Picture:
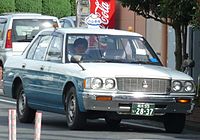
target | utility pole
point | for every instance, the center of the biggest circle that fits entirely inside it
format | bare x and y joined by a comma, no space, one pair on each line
82,11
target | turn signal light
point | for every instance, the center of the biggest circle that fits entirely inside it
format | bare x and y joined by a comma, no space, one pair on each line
104,98
183,100
9,39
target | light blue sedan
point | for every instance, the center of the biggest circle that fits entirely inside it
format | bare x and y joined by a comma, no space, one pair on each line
117,75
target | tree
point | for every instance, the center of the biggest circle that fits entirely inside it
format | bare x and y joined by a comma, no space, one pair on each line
176,13
7,6
73,7
58,8
196,18
34,6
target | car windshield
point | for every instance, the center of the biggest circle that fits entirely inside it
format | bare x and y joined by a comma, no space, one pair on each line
24,30
112,49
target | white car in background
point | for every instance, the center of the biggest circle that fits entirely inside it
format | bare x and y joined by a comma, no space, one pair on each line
68,22
18,29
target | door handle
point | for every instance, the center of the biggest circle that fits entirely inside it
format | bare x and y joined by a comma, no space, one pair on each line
42,68
23,65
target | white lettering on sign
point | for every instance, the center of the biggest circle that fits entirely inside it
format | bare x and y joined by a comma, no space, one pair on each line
102,10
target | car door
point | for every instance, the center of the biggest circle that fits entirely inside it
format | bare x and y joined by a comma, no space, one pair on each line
53,84
36,70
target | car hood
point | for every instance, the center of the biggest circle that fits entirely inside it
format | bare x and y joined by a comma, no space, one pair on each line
131,70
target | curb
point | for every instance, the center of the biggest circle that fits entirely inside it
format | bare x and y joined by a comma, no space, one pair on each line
191,125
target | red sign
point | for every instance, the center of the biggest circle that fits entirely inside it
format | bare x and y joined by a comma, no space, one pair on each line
105,9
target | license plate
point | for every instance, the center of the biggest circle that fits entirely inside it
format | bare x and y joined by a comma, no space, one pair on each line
143,109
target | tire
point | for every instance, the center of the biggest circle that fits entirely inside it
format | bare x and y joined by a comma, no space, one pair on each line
75,119
174,123
112,122
24,112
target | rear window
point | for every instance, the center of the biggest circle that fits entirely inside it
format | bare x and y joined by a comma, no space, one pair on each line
24,30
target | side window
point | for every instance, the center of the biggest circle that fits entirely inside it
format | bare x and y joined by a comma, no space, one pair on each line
42,47
54,52
67,24
2,26
32,48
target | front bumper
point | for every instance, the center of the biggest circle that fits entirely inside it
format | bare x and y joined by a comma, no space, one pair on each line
122,103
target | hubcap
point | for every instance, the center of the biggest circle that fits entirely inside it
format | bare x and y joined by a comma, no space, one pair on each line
22,102
71,108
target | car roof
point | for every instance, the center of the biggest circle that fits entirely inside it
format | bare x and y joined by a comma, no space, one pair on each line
93,31
68,17
26,15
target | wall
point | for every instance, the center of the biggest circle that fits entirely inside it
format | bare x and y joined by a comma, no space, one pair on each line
126,18
154,32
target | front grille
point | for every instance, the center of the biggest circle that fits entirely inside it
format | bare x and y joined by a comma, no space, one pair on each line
143,85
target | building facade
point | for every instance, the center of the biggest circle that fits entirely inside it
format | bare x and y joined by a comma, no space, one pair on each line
155,32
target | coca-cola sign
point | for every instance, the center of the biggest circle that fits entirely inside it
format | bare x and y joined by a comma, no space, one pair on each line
105,9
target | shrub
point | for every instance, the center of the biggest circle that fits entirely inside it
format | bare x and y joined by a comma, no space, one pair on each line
73,7
58,8
33,6
7,6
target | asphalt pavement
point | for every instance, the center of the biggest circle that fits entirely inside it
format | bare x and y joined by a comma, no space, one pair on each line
191,124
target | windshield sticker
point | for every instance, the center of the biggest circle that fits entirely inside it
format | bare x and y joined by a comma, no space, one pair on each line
153,60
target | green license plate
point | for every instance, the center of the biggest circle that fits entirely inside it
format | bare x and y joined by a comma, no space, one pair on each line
143,109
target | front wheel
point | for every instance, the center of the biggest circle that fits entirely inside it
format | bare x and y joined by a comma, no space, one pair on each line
75,118
174,123
24,112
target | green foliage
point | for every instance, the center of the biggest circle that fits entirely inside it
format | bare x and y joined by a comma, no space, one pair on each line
196,18
7,6
179,12
34,6
73,7
58,8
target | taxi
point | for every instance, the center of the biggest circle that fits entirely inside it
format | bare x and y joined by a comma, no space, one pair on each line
116,76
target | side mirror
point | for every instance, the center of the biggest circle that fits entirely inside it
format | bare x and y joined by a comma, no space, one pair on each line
76,58
191,64
188,63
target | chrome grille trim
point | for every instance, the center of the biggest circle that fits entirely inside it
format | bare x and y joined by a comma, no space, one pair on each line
149,85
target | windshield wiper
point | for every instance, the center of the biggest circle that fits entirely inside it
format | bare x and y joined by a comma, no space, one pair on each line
99,60
115,60
105,60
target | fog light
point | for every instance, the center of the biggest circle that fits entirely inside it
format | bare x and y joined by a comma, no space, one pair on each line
104,98
183,100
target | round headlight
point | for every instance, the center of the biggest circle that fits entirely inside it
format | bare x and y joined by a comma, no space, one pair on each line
96,83
109,83
188,86
176,86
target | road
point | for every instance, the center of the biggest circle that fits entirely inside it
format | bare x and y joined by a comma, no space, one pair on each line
54,128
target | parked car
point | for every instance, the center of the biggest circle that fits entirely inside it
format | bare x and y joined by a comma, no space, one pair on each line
119,76
17,30
68,22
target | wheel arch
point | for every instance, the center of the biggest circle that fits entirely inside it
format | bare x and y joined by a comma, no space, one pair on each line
1,63
16,83
67,86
